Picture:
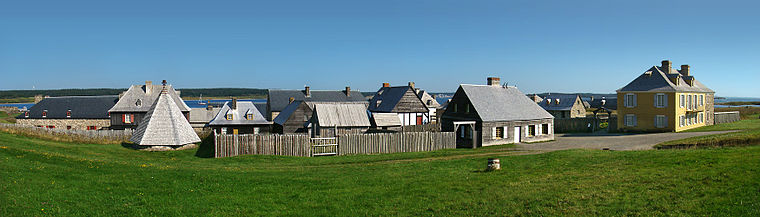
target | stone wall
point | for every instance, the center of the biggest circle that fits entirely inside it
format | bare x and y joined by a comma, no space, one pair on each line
75,124
487,134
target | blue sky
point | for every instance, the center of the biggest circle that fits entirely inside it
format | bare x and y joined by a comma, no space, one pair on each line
540,46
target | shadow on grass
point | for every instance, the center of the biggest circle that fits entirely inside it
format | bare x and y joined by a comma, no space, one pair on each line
206,148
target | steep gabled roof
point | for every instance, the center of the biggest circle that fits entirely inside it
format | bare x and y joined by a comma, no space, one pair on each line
82,107
341,115
203,115
656,80
566,102
279,99
495,103
292,107
164,125
239,115
390,99
426,98
128,102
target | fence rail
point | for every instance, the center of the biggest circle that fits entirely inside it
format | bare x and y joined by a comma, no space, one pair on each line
301,145
727,117
85,136
422,128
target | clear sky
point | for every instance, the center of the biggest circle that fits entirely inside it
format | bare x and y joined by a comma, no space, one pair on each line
540,46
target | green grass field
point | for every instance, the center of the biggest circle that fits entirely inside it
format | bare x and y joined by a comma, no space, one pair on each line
748,133
63,179
8,118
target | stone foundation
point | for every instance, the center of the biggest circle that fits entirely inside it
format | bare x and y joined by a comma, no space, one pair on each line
75,124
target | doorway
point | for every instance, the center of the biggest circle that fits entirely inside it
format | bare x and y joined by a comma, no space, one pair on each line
517,134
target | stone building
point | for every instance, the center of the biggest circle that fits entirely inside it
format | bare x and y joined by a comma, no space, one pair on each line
483,115
134,104
564,106
70,112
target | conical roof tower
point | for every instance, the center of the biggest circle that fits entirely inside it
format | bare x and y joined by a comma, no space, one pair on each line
164,125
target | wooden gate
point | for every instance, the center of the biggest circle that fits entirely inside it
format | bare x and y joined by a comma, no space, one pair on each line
324,146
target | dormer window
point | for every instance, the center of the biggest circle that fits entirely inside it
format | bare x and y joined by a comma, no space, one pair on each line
557,101
26,114
249,116
138,103
229,117
68,113
44,113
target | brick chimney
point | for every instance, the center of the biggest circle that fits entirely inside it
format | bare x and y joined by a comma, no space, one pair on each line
148,87
667,66
411,84
307,91
494,81
233,104
386,85
685,70
348,91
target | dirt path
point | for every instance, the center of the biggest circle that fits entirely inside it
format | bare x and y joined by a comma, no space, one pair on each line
611,141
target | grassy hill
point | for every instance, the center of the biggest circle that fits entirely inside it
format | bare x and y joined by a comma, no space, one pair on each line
42,177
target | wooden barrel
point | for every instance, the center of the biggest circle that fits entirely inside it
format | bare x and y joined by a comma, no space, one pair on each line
493,164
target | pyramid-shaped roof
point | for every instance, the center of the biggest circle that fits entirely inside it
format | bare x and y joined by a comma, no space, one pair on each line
164,125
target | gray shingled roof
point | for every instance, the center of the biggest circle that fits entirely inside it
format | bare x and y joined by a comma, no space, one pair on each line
390,97
279,99
609,103
495,103
341,115
239,115
128,101
164,125
566,102
82,107
292,107
386,119
203,115
426,98
655,79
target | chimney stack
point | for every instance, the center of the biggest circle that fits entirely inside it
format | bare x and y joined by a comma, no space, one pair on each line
307,91
386,85
348,91
494,81
148,87
685,70
233,104
667,66
411,84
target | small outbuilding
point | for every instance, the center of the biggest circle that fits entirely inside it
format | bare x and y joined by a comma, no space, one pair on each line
330,120
164,126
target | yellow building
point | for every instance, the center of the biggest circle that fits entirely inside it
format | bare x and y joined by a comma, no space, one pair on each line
664,99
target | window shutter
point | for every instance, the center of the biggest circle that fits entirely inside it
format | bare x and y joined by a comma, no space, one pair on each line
665,120
655,102
635,103
625,100
493,133
665,99
131,118
635,123
124,118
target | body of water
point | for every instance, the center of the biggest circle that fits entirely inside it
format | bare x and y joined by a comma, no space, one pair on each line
191,103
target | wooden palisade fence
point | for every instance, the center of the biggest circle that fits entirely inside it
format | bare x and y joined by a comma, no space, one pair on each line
228,145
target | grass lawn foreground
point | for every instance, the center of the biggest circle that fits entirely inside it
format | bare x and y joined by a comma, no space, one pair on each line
40,177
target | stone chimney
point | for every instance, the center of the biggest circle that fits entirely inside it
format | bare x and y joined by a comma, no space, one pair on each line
411,84
348,91
38,98
148,87
667,66
386,85
233,104
494,81
307,91
685,70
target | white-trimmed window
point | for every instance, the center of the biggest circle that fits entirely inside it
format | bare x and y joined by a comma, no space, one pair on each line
660,121
688,101
68,113
224,130
701,100
701,117
682,120
630,120
682,100
127,118
660,100
688,120
498,132
630,100
44,113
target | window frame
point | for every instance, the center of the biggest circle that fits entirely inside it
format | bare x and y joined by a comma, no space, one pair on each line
660,121
660,100
682,100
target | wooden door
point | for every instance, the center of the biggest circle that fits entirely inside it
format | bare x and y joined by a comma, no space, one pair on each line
419,120
517,134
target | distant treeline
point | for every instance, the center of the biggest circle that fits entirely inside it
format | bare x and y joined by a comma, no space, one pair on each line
192,92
